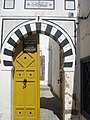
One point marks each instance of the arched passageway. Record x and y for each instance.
(63, 40)
(43, 27)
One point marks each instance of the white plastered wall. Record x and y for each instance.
(59, 10)
(5, 106)
(54, 48)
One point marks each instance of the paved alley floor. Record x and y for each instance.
(49, 105)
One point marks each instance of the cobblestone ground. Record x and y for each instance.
(49, 105)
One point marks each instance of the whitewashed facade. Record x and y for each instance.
(54, 18)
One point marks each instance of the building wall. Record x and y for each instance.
(64, 20)
(10, 18)
(37, 12)
(54, 64)
(85, 38)
(83, 34)
(84, 28)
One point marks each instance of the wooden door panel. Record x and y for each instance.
(20, 113)
(30, 94)
(19, 94)
(26, 83)
(30, 74)
(19, 74)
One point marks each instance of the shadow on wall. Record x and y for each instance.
(76, 86)
(72, 103)
(50, 104)
(62, 79)
(74, 112)
(75, 103)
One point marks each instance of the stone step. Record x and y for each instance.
(44, 87)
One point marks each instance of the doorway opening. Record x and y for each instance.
(49, 79)
(61, 37)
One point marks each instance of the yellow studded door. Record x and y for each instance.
(26, 80)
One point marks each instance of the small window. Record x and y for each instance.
(9, 4)
(69, 4)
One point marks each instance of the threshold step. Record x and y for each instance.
(44, 87)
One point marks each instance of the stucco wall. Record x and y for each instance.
(85, 38)
(84, 32)
(84, 28)
(19, 7)
(55, 66)
(84, 7)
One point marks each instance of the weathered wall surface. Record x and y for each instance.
(85, 38)
(83, 35)
(84, 28)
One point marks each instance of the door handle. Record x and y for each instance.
(25, 83)
(59, 81)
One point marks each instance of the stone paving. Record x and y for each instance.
(49, 105)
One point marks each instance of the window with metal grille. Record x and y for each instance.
(9, 4)
(85, 87)
(69, 4)
(39, 4)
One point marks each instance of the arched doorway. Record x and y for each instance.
(43, 27)
(53, 31)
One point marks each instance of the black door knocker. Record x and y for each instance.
(24, 82)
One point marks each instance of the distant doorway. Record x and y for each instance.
(49, 86)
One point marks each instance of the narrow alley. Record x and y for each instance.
(49, 104)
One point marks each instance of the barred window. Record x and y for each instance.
(85, 87)
(9, 4)
(69, 4)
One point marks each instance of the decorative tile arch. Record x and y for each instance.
(44, 27)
